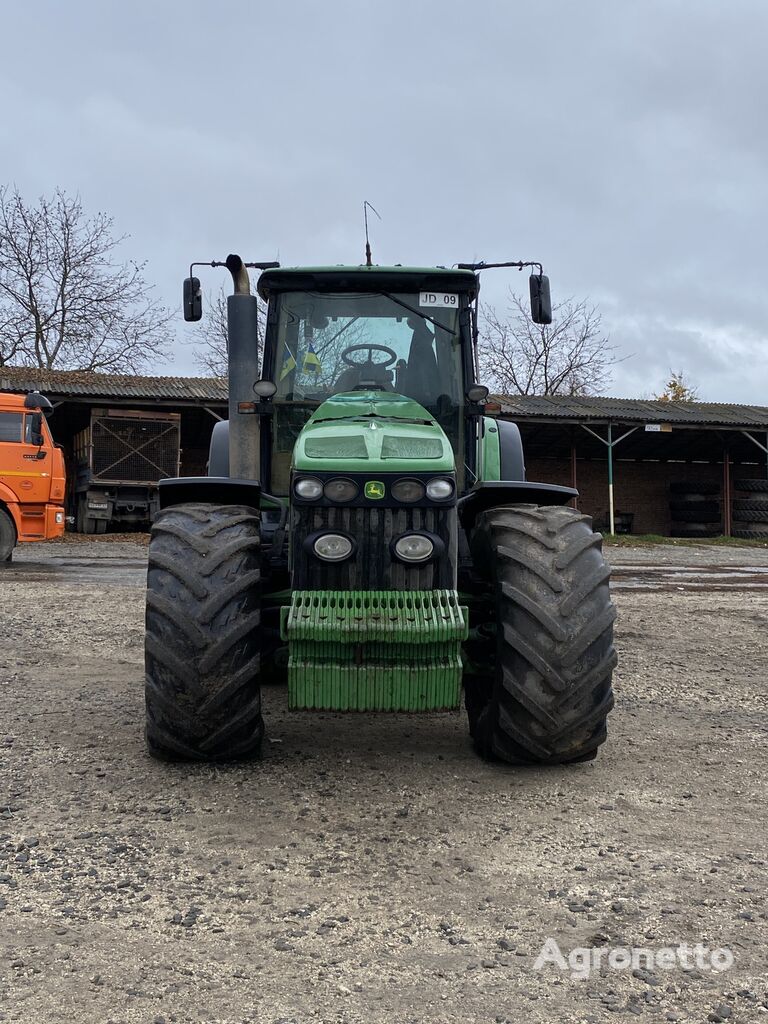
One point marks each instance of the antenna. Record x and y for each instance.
(366, 207)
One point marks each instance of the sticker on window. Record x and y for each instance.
(443, 299)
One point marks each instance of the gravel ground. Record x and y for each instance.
(372, 869)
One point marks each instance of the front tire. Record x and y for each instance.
(203, 701)
(551, 693)
(7, 536)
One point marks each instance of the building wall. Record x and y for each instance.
(639, 487)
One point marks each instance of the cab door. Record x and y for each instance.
(22, 472)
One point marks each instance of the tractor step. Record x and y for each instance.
(374, 650)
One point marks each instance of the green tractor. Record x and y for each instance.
(367, 530)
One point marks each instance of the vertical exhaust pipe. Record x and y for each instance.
(243, 352)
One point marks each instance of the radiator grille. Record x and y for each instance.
(134, 449)
(372, 567)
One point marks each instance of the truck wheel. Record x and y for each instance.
(202, 644)
(551, 693)
(88, 524)
(7, 536)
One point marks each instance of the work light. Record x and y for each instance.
(408, 490)
(340, 489)
(439, 489)
(332, 547)
(414, 547)
(308, 487)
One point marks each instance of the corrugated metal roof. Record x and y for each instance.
(82, 384)
(86, 384)
(632, 410)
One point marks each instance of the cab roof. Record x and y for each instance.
(367, 279)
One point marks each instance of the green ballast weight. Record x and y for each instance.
(374, 650)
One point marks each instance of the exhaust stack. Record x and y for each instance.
(243, 353)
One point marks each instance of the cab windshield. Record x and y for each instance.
(331, 343)
(324, 344)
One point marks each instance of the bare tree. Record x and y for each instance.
(211, 353)
(570, 356)
(64, 301)
(677, 389)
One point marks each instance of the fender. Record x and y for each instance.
(218, 456)
(512, 462)
(210, 490)
(496, 493)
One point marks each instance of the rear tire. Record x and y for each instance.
(757, 486)
(749, 505)
(551, 694)
(203, 701)
(696, 516)
(7, 536)
(696, 530)
(692, 487)
(745, 516)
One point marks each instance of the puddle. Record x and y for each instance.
(681, 577)
(105, 571)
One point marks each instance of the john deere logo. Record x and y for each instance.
(374, 489)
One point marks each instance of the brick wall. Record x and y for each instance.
(639, 487)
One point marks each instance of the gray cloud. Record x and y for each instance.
(622, 144)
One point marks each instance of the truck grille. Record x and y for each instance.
(372, 566)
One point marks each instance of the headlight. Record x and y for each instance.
(332, 547)
(414, 548)
(439, 490)
(340, 490)
(308, 487)
(408, 490)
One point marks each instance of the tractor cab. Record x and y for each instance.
(357, 331)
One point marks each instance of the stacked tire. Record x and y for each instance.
(695, 509)
(750, 510)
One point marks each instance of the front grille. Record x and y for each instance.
(134, 449)
(372, 566)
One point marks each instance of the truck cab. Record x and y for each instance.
(32, 475)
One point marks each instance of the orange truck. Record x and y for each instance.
(32, 475)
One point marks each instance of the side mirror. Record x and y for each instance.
(193, 299)
(35, 400)
(541, 303)
(36, 429)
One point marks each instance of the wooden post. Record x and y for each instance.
(727, 524)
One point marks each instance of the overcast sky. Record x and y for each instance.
(622, 144)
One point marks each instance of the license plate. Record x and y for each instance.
(95, 504)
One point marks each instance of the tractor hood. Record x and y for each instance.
(367, 431)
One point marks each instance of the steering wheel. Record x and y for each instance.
(391, 356)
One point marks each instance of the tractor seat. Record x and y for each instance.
(353, 376)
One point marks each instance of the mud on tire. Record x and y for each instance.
(551, 694)
(202, 643)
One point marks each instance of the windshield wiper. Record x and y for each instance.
(412, 309)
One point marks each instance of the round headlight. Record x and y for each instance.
(439, 490)
(332, 547)
(408, 490)
(308, 487)
(340, 490)
(414, 548)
